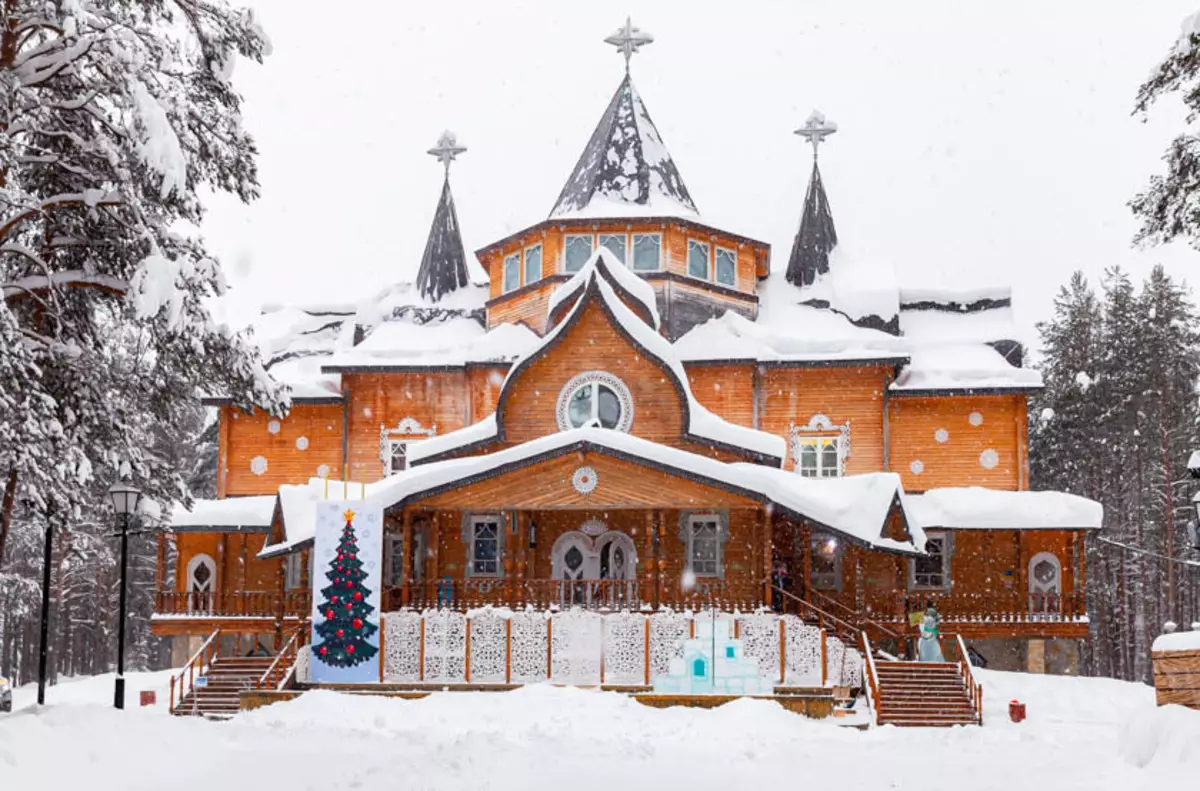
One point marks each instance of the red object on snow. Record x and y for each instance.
(147, 697)
(1016, 710)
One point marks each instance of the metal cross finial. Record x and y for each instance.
(816, 129)
(628, 40)
(446, 150)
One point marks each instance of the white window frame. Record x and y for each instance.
(1031, 581)
(525, 264)
(393, 545)
(514, 260)
(818, 430)
(717, 267)
(567, 238)
(472, 522)
(689, 539)
(826, 581)
(947, 543)
(196, 562)
(633, 251)
(293, 562)
(824, 468)
(562, 409)
(405, 432)
(707, 276)
(624, 236)
(389, 467)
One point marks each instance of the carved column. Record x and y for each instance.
(220, 596)
(522, 559)
(510, 553)
(806, 568)
(433, 539)
(660, 561)
(406, 557)
(648, 557)
(764, 530)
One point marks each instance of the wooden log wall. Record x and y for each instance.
(291, 449)
(1177, 678)
(984, 444)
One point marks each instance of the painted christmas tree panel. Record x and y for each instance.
(345, 618)
(959, 441)
(260, 452)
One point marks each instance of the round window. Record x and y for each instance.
(596, 400)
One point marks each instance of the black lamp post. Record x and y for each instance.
(125, 502)
(1194, 528)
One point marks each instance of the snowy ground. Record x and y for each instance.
(1081, 733)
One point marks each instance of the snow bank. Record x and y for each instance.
(227, 513)
(976, 508)
(1177, 641)
(1163, 736)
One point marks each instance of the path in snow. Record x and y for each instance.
(539, 737)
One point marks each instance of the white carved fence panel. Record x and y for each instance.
(668, 630)
(803, 653)
(445, 646)
(625, 648)
(402, 647)
(576, 647)
(528, 647)
(835, 653)
(759, 634)
(489, 647)
(853, 675)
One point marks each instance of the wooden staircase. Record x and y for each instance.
(226, 677)
(924, 693)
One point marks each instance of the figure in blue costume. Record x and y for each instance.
(929, 645)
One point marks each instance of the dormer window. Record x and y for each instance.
(726, 266)
(512, 272)
(615, 244)
(697, 260)
(577, 248)
(595, 399)
(647, 252)
(533, 264)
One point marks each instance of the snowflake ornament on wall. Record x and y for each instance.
(989, 459)
(917, 467)
(258, 465)
(273, 427)
(942, 435)
(975, 418)
(301, 443)
(585, 480)
(323, 471)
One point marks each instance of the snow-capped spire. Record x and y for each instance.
(817, 237)
(625, 169)
(444, 264)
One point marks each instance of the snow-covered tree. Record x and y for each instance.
(1169, 207)
(116, 116)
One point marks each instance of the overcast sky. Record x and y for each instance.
(978, 142)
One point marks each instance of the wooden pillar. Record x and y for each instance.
(160, 567)
(522, 556)
(220, 595)
(510, 555)
(648, 557)
(660, 562)
(281, 583)
(764, 531)
(406, 557)
(806, 568)
(432, 542)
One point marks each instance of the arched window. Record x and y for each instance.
(201, 581)
(1045, 583)
(595, 399)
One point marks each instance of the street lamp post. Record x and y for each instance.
(125, 501)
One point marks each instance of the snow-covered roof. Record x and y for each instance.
(453, 341)
(231, 513)
(702, 424)
(1177, 641)
(972, 367)
(976, 508)
(604, 263)
(625, 170)
(855, 506)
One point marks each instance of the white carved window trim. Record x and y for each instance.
(731, 253)
(601, 237)
(818, 429)
(470, 533)
(511, 274)
(946, 540)
(398, 438)
(700, 245)
(592, 378)
(530, 275)
(194, 585)
(570, 238)
(633, 241)
(687, 522)
(1035, 588)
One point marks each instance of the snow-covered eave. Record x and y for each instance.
(851, 360)
(983, 390)
(569, 224)
(400, 368)
(253, 514)
(314, 400)
(979, 508)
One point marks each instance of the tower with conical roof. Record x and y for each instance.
(626, 194)
(444, 263)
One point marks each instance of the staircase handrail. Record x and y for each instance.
(846, 630)
(829, 600)
(974, 689)
(872, 685)
(273, 678)
(196, 660)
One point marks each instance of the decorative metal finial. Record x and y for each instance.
(447, 150)
(628, 40)
(816, 129)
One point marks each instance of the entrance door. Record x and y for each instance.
(573, 562)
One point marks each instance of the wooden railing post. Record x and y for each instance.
(507, 650)
(824, 660)
(782, 650)
(467, 652)
(647, 619)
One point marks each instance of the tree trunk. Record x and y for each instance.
(9, 504)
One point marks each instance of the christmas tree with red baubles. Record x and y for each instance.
(346, 629)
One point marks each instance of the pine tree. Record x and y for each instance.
(1168, 207)
(116, 116)
(346, 628)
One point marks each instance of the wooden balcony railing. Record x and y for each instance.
(465, 594)
(1003, 607)
(262, 604)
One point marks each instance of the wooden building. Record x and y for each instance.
(635, 411)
